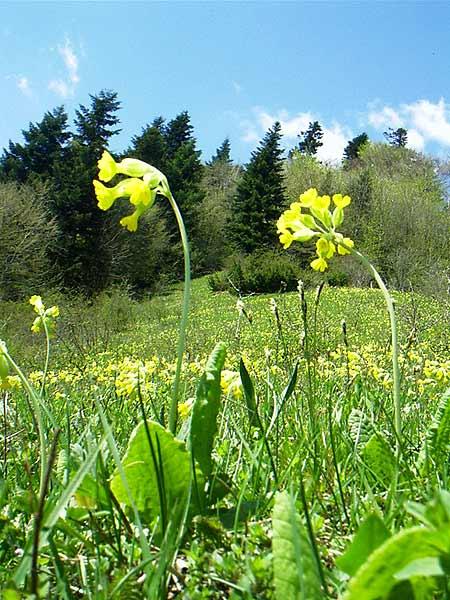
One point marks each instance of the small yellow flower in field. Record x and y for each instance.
(36, 303)
(297, 226)
(231, 384)
(184, 408)
(144, 183)
(46, 318)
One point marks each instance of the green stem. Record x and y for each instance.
(38, 418)
(173, 416)
(395, 365)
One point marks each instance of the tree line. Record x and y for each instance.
(53, 234)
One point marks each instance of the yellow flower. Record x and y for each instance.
(107, 167)
(231, 384)
(319, 264)
(36, 303)
(131, 222)
(348, 242)
(293, 225)
(141, 192)
(184, 408)
(341, 201)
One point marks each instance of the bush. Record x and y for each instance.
(264, 271)
(26, 236)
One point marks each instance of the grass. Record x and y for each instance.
(327, 439)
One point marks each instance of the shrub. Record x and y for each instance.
(26, 236)
(264, 271)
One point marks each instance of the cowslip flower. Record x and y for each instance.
(144, 183)
(46, 317)
(294, 225)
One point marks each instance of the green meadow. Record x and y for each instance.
(309, 410)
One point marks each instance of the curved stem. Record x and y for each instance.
(173, 416)
(395, 366)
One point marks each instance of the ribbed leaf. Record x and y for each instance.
(438, 436)
(205, 410)
(377, 575)
(157, 468)
(378, 456)
(371, 534)
(295, 569)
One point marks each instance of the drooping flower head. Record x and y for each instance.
(141, 188)
(294, 225)
(46, 317)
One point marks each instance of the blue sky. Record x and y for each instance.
(235, 66)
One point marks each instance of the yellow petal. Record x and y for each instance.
(319, 264)
(341, 201)
(308, 198)
(107, 167)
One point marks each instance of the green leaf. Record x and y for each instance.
(422, 567)
(370, 535)
(295, 569)
(205, 410)
(377, 575)
(249, 393)
(437, 444)
(158, 471)
(378, 456)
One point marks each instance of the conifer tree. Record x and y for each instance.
(396, 137)
(184, 170)
(311, 139)
(259, 199)
(223, 153)
(353, 147)
(45, 144)
(84, 246)
(150, 146)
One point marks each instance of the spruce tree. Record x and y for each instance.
(150, 146)
(184, 171)
(85, 243)
(311, 139)
(396, 137)
(223, 153)
(45, 144)
(353, 147)
(259, 199)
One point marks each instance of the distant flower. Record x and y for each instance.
(297, 226)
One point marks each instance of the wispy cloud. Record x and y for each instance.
(237, 87)
(425, 121)
(65, 86)
(334, 139)
(23, 83)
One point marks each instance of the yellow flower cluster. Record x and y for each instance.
(297, 226)
(231, 384)
(46, 317)
(141, 188)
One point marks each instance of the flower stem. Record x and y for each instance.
(394, 343)
(173, 416)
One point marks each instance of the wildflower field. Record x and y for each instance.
(314, 418)
(201, 445)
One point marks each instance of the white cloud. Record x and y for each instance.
(60, 87)
(415, 141)
(70, 60)
(386, 117)
(431, 120)
(23, 84)
(424, 120)
(334, 139)
(65, 86)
